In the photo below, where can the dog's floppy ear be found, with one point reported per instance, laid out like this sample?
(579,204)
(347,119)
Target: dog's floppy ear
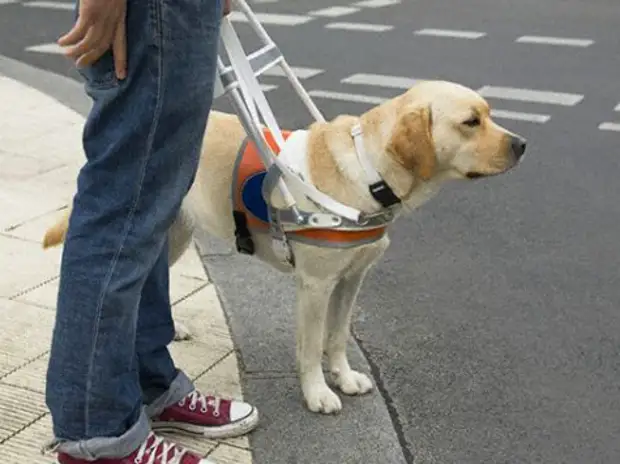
(412,145)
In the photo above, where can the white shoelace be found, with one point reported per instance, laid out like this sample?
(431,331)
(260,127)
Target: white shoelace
(195,397)
(153,444)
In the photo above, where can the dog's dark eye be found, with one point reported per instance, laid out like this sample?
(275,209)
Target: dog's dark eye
(472,122)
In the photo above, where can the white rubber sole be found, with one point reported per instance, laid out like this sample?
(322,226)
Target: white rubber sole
(236,429)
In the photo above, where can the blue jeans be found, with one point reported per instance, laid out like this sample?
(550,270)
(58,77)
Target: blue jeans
(109,365)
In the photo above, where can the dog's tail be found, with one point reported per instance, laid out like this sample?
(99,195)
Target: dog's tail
(55,235)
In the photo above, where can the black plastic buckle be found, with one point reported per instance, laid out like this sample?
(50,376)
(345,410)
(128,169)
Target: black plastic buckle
(243,238)
(382,192)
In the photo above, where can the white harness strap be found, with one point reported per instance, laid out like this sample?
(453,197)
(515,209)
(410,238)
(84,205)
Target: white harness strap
(254,95)
(378,188)
(372,176)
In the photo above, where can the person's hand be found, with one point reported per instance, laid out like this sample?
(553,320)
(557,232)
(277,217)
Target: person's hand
(227,7)
(100,25)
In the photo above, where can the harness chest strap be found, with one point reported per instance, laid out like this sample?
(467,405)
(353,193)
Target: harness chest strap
(379,189)
(249,169)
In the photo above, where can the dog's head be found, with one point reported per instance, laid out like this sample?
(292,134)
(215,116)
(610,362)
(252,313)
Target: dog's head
(443,127)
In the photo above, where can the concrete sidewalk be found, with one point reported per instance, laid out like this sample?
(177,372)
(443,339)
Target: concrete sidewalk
(40,154)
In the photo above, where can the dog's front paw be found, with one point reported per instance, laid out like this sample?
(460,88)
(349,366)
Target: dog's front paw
(353,383)
(322,399)
(181,332)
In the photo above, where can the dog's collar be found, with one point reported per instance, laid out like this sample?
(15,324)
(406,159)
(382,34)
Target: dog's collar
(378,188)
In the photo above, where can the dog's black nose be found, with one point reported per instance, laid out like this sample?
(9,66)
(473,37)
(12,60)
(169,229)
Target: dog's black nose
(518,146)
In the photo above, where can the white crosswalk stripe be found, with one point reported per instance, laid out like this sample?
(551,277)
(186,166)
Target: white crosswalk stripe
(532,96)
(563,41)
(450,33)
(380,80)
(610,126)
(376,3)
(359,27)
(520,116)
(272,19)
(51,47)
(299,71)
(334,11)
(349,97)
(50,5)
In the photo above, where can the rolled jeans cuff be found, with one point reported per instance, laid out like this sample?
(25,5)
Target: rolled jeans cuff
(105,447)
(180,387)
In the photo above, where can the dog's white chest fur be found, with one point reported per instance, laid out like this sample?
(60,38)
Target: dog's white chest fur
(294,153)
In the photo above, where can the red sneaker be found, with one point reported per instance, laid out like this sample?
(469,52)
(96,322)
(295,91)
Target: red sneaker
(154,450)
(208,416)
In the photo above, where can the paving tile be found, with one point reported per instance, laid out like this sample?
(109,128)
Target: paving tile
(30,377)
(23,201)
(222,379)
(34,229)
(25,335)
(17,413)
(26,445)
(25,265)
(190,265)
(202,313)
(182,287)
(196,356)
(43,296)
(38,115)
(225,454)
(63,145)
(21,167)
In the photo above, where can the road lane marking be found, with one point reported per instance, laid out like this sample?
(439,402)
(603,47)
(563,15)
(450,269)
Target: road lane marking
(529,95)
(519,116)
(617,108)
(267,87)
(562,41)
(359,27)
(272,19)
(380,80)
(334,11)
(300,72)
(350,97)
(376,3)
(609,126)
(455,34)
(51,5)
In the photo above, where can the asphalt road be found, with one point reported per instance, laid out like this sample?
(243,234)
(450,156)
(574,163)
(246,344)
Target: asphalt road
(491,325)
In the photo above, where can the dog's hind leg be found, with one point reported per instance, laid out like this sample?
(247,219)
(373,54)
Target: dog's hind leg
(313,295)
(337,334)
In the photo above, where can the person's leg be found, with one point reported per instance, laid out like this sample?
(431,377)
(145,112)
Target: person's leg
(142,140)
(155,331)
(171,398)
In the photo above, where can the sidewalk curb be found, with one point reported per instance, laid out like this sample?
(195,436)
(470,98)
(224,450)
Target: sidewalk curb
(364,429)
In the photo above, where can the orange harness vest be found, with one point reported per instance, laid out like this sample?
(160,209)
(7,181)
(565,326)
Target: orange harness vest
(251,211)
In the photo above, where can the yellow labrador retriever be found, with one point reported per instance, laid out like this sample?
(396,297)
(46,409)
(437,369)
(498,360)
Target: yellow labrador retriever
(434,132)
